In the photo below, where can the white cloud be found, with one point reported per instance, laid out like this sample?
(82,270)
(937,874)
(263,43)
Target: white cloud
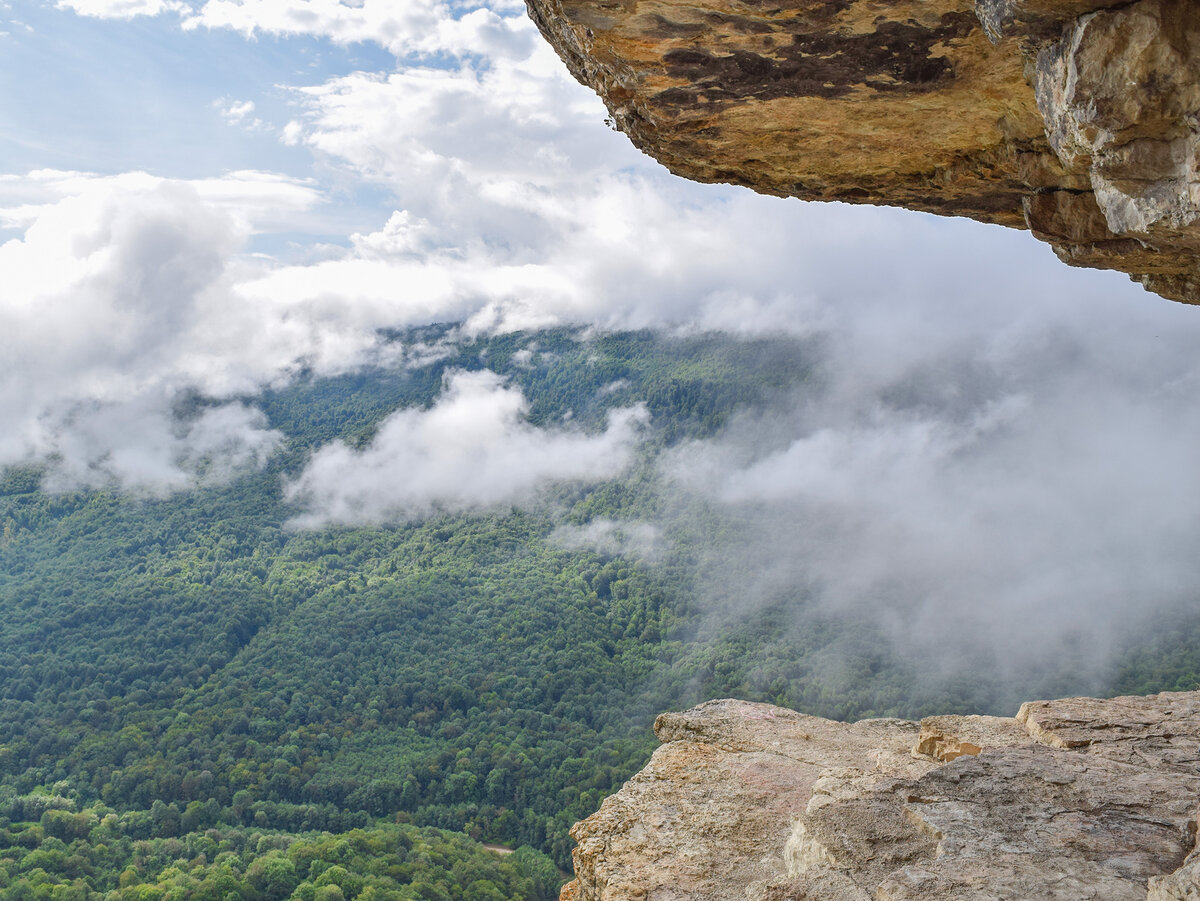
(982,489)
(137,445)
(291,133)
(123,9)
(635,540)
(472,451)
(120,299)
(234,111)
(419,28)
(410,27)
(256,201)
(238,110)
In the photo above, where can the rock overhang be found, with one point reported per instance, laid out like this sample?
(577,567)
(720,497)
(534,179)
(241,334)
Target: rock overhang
(1076,119)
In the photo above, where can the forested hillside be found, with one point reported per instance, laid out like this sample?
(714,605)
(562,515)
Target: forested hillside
(201,699)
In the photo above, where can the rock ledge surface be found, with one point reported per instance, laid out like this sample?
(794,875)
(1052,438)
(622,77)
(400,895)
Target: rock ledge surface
(1071,799)
(1076,119)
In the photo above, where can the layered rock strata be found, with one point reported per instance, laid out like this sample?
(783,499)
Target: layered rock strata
(1077,119)
(1071,799)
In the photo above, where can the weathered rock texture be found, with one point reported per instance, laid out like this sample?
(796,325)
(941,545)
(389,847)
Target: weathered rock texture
(1078,119)
(1071,799)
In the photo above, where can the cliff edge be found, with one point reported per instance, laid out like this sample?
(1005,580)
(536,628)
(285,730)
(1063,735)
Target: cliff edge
(1076,119)
(1071,799)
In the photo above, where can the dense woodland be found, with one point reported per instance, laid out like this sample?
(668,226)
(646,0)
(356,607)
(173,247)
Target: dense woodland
(197,701)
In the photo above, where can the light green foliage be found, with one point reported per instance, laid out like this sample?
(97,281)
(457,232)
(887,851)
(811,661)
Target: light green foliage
(386,861)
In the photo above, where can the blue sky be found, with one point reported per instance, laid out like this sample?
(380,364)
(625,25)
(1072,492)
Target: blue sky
(213,195)
(111,95)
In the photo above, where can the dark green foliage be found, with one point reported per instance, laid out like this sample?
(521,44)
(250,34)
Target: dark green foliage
(1163,656)
(194,664)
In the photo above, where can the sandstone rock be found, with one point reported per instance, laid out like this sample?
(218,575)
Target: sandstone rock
(1182,885)
(950,106)
(1046,824)
(946,738)
(1042,19)
(1158,732)
(702,819)
(1072,799)
(1140,142)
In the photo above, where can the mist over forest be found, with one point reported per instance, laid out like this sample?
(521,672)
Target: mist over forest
(386,442)
(454,590)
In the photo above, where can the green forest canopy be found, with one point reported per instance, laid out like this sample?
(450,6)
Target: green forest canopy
(197,701)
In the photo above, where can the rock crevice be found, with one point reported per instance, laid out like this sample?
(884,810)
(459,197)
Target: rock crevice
(1076,119)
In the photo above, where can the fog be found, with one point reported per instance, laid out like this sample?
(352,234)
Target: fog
(472,451)
(1016,494)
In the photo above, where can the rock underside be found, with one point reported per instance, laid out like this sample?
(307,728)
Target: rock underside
(1071,799)
(1076,119)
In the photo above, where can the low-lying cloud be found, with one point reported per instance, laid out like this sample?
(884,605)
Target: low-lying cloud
(1008,501)
(121,301)
(472,451)
(142,447)
(635,540)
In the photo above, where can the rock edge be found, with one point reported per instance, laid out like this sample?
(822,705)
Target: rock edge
(1076,798)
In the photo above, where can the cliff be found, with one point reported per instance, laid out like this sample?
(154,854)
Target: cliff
(1071,799)
(1076,119)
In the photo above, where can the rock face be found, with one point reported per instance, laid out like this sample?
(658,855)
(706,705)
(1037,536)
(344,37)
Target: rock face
(1077,119)
(1071,799)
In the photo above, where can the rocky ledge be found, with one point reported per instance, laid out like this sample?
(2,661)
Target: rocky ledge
(1071,799)
(1077,119)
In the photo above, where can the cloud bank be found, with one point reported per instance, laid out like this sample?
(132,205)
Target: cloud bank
(120,303)
(472,451)
(995,498)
